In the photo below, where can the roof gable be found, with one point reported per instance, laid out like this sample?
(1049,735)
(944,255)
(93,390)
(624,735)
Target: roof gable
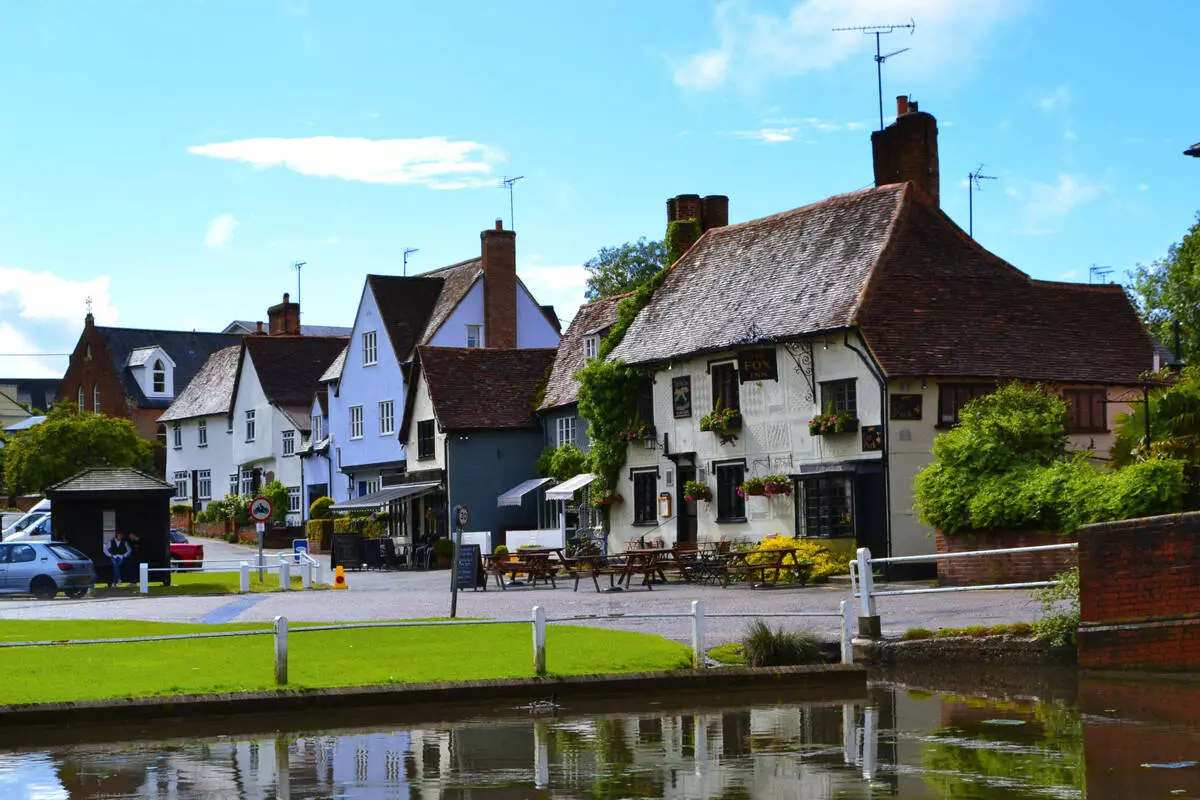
(405,306)
(483,388)
(111,479)
(289,369)
(591,319)
(211,391)
(457,280)
(188,349)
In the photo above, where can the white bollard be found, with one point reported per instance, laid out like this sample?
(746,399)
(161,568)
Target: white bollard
(698,634)
(847,632)
(281,648)
(244,582)
(866,583)
(285,575)
(539,640)
(306,574)
(144,578)
(870,749)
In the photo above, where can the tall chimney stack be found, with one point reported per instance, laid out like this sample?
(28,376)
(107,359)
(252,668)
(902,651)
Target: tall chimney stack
(284,319)
(907,150)
(709,212)
(499,250)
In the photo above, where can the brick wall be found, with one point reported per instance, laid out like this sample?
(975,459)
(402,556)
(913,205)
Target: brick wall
(1011,568)
(1139,593)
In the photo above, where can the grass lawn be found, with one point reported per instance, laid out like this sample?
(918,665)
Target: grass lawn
(319,659)
(207,583)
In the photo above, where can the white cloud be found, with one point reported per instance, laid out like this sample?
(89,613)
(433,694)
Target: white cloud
(220,231)
(563,287)
(43,296)
(785,129)
(1048,204)
(759,47)
(1059,98)
(332,239)
(13,341)
(433,161)
(1143,187)
(770,135)
(1070,135)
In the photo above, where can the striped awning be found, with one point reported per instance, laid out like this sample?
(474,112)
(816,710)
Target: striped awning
(386,496)
(513,496)
(566,490)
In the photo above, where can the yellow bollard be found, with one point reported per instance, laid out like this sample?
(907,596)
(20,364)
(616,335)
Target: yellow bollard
(339,580)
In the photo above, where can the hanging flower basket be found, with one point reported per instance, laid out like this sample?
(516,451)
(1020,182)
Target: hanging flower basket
(777,485)
(721,421)
(752,487)
(638,431)
(606,497)
(694,491)
(832,422)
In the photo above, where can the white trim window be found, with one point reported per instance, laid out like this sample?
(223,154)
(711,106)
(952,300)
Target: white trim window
(180,480)
(370,352)
(96,398)
(387,418)
(204,484)
(591,346)
(79,402)
(158,377)
(247,482)
(202,433)
(289,443)
(233,484)
(474,336)
(566,430)
(250,425)
(356,422)
(372,487)
(316,428)
(177,435)
(293,499)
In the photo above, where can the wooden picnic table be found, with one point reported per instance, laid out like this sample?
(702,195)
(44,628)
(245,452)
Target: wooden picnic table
(537,564)
(620,568)
(773,562)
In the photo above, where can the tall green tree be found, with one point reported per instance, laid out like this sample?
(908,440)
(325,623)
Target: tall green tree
(616,270)
(1168,290)
(67,443)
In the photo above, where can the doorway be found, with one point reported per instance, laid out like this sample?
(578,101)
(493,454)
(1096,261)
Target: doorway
(685,521)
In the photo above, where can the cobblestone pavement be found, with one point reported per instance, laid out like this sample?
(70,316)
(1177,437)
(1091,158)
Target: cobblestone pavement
(402,595)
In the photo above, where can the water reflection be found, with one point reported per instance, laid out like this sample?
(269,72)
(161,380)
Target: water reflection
(901,741)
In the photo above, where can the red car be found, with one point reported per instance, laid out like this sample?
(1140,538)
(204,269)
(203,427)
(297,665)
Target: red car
(184,553)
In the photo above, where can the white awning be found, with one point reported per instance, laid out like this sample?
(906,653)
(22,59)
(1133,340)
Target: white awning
(513,496)
(566,490)
(384,496)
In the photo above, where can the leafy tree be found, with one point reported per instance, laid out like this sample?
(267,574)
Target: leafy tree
(616,270)
(277,493)
(67,443)
(1168,290)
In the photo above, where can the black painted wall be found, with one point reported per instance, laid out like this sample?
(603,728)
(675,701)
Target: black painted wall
(484,465)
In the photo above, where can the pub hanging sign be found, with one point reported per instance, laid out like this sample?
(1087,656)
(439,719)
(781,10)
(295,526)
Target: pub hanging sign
(757,364)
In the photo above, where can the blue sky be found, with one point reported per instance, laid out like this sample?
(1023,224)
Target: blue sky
(171,159)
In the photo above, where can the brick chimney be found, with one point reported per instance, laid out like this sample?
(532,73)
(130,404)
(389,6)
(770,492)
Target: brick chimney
(907,150)
(284,319)
(499,250)
(711,212)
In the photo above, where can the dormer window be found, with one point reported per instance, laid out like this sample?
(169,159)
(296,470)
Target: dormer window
(159,376)
(474,336)
(591,346)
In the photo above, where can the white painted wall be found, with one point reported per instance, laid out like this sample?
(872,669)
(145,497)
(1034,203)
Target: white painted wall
(423,410)
(216,457)
(453,332)
(266,451)
(533,329)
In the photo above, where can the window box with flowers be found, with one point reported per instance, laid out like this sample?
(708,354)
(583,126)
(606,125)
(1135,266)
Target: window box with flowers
(694,491)
(752,487)
(605,497)
(639,430)
(833,422)
(721,421)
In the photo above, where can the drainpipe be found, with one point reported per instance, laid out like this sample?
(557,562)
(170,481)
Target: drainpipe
(877,372)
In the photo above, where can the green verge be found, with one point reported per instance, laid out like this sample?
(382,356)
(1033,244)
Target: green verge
(186,583)
(367,657)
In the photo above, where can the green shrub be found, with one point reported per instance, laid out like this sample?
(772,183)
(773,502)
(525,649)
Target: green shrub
(975,631)
(1020,629)
(319,508)
(1059,619)
(912,634)
(277,493)
(443,548)
(998,630)
(230,508)
(730,653)
(312,529)
(501,550)
(945,633)
(231,537)
(343,525)
(779,648)
(181,508)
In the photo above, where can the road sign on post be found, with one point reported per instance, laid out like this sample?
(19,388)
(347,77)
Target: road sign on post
(461,517)
(261,510)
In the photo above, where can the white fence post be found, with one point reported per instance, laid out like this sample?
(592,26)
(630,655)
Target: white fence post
(847,607)
(698,634)
(866,583)
(539,640)
(285,575)
(281,651)
(870,741)
(144,578)
(306,574)
(244,582)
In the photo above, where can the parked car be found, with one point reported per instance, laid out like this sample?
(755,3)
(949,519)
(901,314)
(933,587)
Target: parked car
(44,569)
(36,528)
(185,554)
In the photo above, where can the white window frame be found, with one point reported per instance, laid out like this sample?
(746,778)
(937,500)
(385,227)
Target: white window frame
(370,349)
(293,499)
(317,424)
(158,373)
(591,346)
(387,418)
(204,485)
(372,486)
(289,442)
(177,435)
(202,433)
(247,482)
(180,479)
(82,407)
(565,431)
(95,398)
(356,422)
(474,332)
(250,426)
(233,484)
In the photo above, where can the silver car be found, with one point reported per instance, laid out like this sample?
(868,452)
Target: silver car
(44,569)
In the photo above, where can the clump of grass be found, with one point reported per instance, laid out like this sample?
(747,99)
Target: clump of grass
(975,631)
(1020,629)
(912,634)
(779,648)
(944,633)
(729,653)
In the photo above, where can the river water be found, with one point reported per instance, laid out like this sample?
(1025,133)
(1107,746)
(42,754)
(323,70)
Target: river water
(981,735)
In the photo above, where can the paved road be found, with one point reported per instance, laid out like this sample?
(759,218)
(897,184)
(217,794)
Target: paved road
(391,595)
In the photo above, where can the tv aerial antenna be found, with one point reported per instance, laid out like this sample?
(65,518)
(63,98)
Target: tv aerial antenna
(880,57)
(507,183)
(974,184)
(297,265)
(1099,273)
(407,252)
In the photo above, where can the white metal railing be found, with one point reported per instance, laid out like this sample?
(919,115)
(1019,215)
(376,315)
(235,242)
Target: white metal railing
(862,578)
(538,619)
(310,570)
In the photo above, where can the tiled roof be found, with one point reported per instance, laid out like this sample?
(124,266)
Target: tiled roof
(289,369)
(188,349)
(939,304)
(246,327)
(108,479)
(783,276)
(562,388)
(211,391)
(483,388)
(457,281)
(405,306)
(334,373)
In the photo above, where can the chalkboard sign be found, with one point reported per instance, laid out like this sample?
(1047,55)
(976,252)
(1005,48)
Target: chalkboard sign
(346,551)
(470,567)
